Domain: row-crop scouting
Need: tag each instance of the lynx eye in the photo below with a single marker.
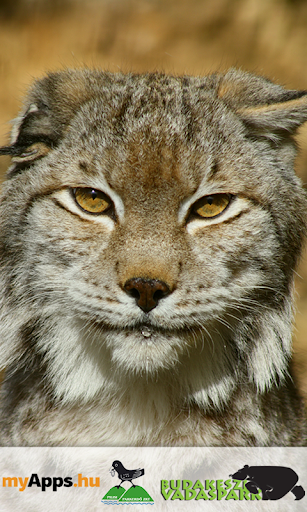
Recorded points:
(92, 200)
(211, 206)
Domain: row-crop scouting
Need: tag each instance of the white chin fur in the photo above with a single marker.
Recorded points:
(85, 362)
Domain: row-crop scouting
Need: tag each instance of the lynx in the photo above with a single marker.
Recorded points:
(150, 228)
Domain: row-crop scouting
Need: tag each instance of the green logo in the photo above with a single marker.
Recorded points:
(119, 495)
(186, 490)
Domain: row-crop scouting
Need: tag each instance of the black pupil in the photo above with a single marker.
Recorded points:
(94, 194)
(210, 200)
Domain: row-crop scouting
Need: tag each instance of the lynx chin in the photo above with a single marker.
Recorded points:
(150, 228)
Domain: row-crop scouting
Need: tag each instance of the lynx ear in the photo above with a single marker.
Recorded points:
(50, 105)
(267, 109)
(278, 120)
(33, 134)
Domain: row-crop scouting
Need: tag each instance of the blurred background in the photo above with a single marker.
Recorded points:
(197, 37)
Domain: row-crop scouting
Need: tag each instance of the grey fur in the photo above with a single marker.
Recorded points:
(211, 363)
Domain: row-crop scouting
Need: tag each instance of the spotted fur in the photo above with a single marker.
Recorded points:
(211, 363)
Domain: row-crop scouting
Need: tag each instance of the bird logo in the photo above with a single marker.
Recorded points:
(125, 475)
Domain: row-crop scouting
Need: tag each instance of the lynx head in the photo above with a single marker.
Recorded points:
(150, 226)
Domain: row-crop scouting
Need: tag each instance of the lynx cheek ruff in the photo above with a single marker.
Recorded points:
(150, 226)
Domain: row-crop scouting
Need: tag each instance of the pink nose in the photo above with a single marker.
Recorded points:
(147, 292)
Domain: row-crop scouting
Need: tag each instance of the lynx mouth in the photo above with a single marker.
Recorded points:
(149, 332)
(146, 332)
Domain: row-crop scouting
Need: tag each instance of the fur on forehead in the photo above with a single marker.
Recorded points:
(266, 109)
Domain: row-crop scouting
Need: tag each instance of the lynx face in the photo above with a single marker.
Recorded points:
(150, 225)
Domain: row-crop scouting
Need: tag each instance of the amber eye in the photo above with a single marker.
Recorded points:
(211, 206)
(92, 200)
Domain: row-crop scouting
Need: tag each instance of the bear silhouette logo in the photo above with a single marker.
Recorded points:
(274, 481)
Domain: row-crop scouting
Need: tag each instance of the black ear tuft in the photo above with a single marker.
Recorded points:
(36, 126)
(33, 135)
(50, 105)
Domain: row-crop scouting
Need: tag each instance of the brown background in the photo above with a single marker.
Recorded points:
(268, 37)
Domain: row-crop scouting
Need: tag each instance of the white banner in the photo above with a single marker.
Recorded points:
(158, 479)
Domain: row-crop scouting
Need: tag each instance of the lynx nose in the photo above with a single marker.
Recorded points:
(147, 292)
